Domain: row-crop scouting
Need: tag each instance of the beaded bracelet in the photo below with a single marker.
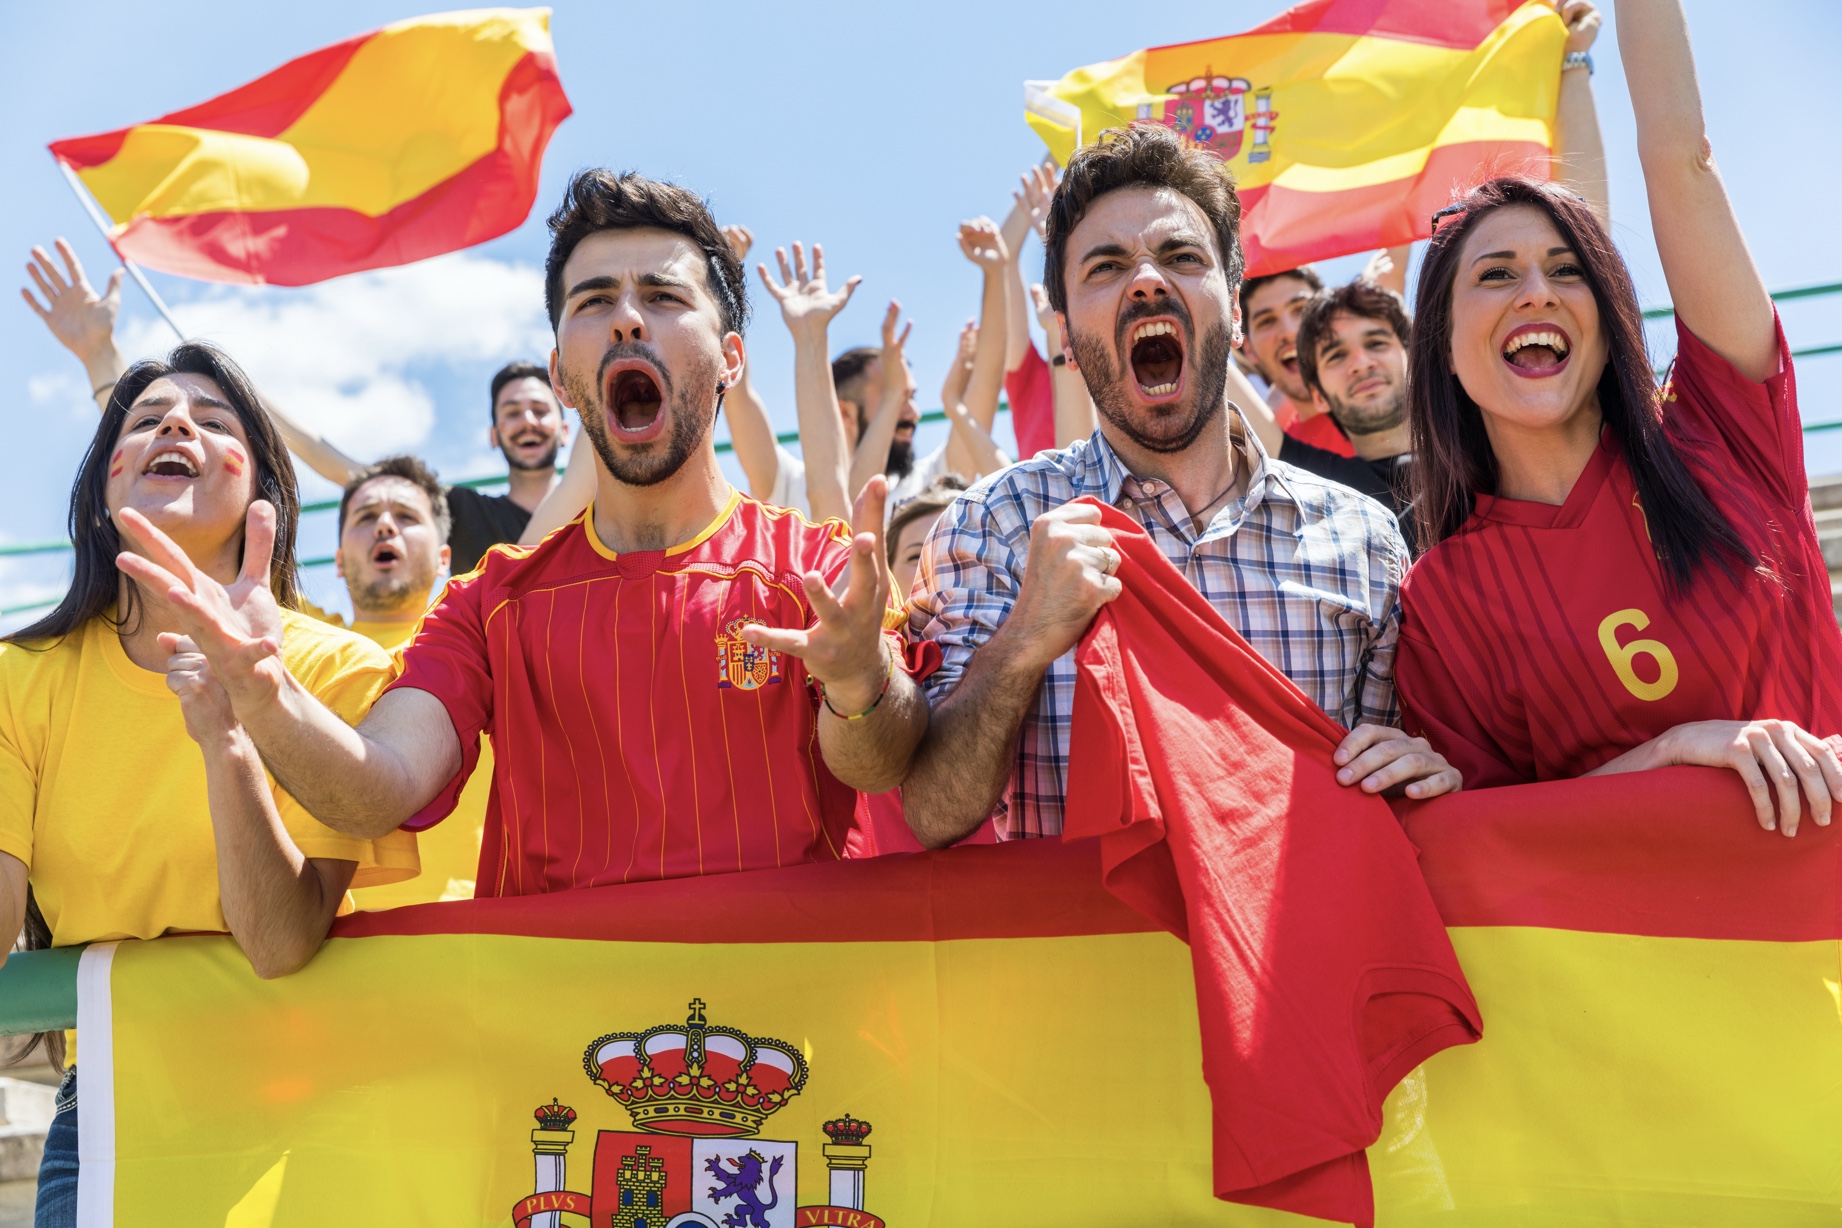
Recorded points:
(826, 699)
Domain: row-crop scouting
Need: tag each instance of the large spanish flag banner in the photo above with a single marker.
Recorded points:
(1346, 122)
(413, 140)
(983, 1036)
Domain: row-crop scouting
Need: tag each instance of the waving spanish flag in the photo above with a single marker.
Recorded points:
(1346, 122)
(416, 139)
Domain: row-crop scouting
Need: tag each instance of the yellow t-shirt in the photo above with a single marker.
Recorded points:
(102, 791)
(451, 849)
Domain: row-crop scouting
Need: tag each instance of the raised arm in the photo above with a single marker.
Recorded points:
(1074, 405)
(971, 451)
(1029, 205)
(362, 782)
(567, 497)
(84, 323)
(1388, 268)
(807, 307)
(1579, 148)
(873, 445)
(984, 246)
(750, 430)
(1717, 291)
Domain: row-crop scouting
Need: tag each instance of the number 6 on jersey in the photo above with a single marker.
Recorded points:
(1622, 656)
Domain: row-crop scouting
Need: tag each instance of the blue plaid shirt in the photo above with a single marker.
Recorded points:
(1308, 571)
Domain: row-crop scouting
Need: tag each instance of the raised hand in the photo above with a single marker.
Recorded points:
(1029, 205)
(959, 371)
(895, 373)
(237, 627)
(982, 244)
(805, 301)
(845, 650)
(1582, 19)
(206, 705)
(1045, 316)
(740, 238)
(82, 320)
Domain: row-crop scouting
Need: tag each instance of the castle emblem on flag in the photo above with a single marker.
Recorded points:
(698, 1095)
(740, 664)
(1212, 111)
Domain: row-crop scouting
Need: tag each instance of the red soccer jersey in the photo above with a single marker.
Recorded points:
(1319, 430)
(1030, 389)
(1537, 642)
(1323, 972)
(635, 735)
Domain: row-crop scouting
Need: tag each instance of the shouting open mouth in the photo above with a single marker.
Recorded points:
(171, 463)
(635, 404)
(1536, 351)
(1156, 359)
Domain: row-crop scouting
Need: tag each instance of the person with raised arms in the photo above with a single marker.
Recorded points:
(1143, 262)
(133, 803)
(681, 681)
(1617, 577)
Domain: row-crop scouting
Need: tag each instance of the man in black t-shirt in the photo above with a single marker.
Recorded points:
(528, 426)
(1352, 359)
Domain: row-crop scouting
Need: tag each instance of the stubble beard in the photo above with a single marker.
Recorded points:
(385, 595)
(1368, 421)
(1106, 381)
(546, 461)
(691, 422)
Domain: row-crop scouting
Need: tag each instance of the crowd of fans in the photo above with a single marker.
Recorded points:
(1483, 540)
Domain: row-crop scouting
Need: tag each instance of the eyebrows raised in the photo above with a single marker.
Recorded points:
(1562, 250)
(166, 400)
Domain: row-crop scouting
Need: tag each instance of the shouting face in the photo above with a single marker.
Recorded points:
(528, 425)
(1150, 315)
(390, 550)
(1526, 341)
(1273, 314)
(182, 459)
(641, 350)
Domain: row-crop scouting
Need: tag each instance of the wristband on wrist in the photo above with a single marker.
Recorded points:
(888, 679)
(1578, 59)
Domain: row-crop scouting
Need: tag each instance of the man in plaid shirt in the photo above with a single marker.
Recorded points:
(1143, 266)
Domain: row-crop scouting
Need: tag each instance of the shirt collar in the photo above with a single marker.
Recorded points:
(1105, 476)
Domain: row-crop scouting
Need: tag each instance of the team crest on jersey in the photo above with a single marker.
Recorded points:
(741, 665)
(1212, 111)
(698, 1095)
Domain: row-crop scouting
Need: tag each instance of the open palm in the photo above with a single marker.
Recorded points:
(805, 300)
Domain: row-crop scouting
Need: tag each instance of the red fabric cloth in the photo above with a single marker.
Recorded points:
(882, 828)
(1538, 642)
(1319, 430)
(1031, 392)
(1323, 972)
(631, 740)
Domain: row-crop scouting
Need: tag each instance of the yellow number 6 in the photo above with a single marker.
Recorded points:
(1621, 655)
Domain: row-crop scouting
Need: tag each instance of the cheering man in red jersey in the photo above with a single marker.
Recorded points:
(644, 672)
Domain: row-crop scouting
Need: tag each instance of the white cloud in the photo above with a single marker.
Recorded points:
(60, 389)
(341, 356)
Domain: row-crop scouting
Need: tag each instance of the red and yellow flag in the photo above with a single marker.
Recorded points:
(413, 140)
(1346, 122)
(984, 1036)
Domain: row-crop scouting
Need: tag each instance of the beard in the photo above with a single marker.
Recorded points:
(545, 461)
(391, 594)
(901, 460)
(1369, 419)
(1179, 424)
(691, 416)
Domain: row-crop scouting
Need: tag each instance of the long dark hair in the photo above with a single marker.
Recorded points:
(1453, 458)
(95, 584)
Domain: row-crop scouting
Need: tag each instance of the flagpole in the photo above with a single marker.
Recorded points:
(102, 226)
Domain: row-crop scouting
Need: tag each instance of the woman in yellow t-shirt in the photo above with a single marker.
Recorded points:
(131, 802)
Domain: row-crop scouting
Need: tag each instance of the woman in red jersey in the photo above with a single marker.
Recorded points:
(1620, 577)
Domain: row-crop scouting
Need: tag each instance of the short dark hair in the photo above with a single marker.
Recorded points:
(509, 372)
(939, 494)
(1141, 155)
(847, 371)
(411, 470)
(598, 200)
(1361, 298)
(1253, 285)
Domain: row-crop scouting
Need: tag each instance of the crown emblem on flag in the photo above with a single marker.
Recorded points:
(697, 1078)
(846, 1131)
(554, 1116)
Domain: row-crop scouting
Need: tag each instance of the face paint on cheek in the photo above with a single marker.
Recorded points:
(115, 464)
(234, 462)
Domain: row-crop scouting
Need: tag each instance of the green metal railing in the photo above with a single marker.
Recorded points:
(38, 991)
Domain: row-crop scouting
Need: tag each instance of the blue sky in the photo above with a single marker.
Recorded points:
(872, 128)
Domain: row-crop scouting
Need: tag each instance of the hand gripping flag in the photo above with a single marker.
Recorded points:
(417, 139)
(1346, 122)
